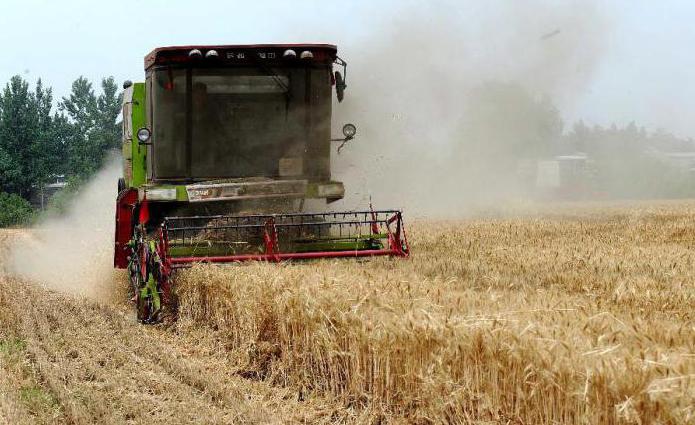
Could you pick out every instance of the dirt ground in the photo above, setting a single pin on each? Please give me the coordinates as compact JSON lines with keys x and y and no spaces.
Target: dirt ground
{"x":580,"y":292}
{"x":70,"y":360}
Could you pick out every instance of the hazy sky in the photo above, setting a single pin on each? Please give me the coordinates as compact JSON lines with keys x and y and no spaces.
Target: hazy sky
{"x":645,"y":72}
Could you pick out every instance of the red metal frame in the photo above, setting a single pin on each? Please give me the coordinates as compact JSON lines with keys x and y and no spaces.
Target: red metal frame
{"x":397,"y":246}
{"x":172,"y":55}
{"x":274,"y":257}
{"x":125,"y":206}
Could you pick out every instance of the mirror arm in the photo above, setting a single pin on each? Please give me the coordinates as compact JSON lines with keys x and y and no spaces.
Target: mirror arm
{"x":340,"y":80}
{"x":344,"y":141}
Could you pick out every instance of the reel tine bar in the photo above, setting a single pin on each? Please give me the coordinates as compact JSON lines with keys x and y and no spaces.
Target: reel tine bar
{"x":277,"y":237}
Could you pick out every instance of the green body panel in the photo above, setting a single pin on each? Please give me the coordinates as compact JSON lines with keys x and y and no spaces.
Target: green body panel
{"x":150,"y":290}
{"x":139,"y":152}
{"x":181,"y":194}
{"x":312,"y":190}
{"x":136,"y":161}
{"x":339,"y":245}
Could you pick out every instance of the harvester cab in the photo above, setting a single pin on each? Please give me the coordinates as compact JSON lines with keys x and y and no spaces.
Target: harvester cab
{"x":224,"y":148}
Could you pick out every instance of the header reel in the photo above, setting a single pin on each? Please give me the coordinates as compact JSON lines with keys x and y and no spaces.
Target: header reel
{"x":185,"y":241}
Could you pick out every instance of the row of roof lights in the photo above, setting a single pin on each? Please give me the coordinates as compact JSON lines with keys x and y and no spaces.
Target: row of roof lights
{"x":289,"y":53}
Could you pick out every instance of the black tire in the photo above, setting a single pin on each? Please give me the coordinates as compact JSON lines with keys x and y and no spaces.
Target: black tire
{"x":143,"y":306}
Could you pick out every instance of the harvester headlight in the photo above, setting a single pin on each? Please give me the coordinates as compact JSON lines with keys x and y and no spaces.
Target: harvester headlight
{"x":144,"y":135}
{"x":212,"y":54}
{"x":306,"y":55}
{"x":195,"y":54}
{"x":289,"y":53}
{"x":349,"y":131}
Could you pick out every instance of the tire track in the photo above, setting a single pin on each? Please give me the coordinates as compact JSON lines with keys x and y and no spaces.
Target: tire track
{"x":103,"y":367}
{"x":170,"y":392}
{"x":98,"y":365}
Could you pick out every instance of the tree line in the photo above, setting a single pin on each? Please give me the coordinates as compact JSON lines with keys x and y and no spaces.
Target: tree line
{"x":41,"y":139}
{"x":502,"y":125}
{"x":504,"y":120}
{"x":631,"y":162}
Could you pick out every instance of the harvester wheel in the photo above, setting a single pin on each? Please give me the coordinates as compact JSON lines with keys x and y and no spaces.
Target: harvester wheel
{"x":144,"y":275}
{"x":144,"y":309}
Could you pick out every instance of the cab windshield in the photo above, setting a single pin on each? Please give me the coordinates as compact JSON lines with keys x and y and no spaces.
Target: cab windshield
{"x":226,"y":123}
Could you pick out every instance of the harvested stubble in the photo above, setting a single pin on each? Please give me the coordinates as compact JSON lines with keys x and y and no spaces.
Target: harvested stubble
{"x":582,"y":317}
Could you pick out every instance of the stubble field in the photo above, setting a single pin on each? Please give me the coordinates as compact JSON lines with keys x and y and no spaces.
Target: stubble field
{"x":582,"y":314}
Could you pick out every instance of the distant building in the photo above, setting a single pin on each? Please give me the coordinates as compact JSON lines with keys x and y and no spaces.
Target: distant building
{"x":563,"y":176}
{"x":47,"y":191}
{"x":683,"y":161}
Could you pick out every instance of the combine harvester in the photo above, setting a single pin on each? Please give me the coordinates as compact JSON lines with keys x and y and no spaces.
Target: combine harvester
{"x":224,"y":147}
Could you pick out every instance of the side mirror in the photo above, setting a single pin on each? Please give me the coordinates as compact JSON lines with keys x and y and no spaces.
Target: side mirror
{"x":349,"y":131}
{"x":144,"y":135}
{"x":340,"y":86}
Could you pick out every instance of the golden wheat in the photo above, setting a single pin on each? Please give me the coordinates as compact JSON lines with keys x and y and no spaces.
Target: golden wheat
{"x":583,"y":316}
{"x":577,"y":315}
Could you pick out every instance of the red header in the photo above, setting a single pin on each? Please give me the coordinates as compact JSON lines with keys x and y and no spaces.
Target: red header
{"x":230,"y":55}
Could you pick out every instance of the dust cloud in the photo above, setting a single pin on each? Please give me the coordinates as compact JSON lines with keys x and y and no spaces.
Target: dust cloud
{"x":73,"y":253}
{"x":448,"y":96}
{"x":451,"y":97}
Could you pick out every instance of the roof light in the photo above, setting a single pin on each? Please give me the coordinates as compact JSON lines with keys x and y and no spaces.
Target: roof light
{"x":195,"y":54}
{"x":306,"y":55}
{"x":212,"y":54}
{"x":289,"y":53}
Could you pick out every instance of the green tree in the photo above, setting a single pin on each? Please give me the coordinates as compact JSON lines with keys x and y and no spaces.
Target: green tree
{"x":81,"y":105}
{"x":48,"y":151}
{"x":28,"y":150}
{"x":108,"y":109}
{"x":14,"y":210}
{"x":95,"y":129}
{"x":36,"y":143}
{"x":17,"y":129}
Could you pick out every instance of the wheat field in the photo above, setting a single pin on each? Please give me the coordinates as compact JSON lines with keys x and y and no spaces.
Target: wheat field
{"x":575,"y":314}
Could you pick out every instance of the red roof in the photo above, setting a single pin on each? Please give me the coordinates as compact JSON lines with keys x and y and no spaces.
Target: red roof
{"x":241,"y":53}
